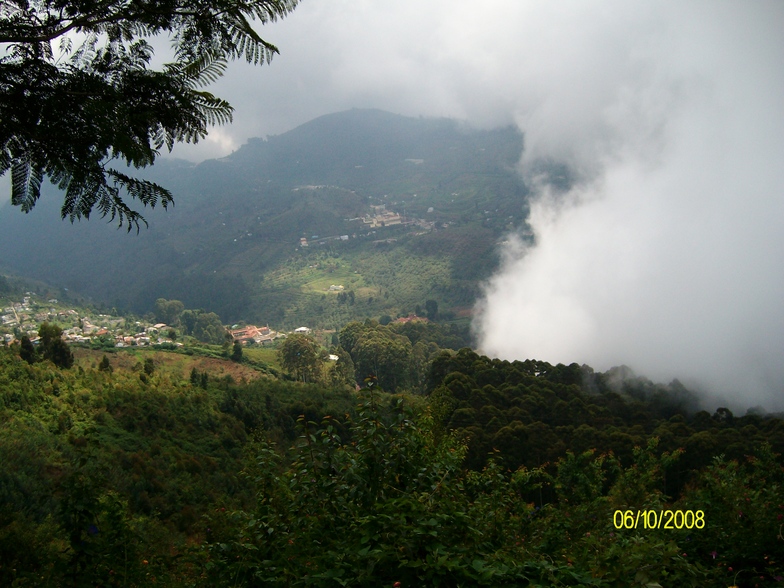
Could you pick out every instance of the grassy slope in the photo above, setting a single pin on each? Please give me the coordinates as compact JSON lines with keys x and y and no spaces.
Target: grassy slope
{"x":177,"y":365}
{"x":387,"y":278}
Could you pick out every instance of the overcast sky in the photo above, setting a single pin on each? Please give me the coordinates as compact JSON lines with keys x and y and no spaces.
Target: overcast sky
{"x":492,"y":63}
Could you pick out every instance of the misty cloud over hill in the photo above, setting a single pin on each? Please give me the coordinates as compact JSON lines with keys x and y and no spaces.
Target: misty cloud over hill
{"x":665,"y":252}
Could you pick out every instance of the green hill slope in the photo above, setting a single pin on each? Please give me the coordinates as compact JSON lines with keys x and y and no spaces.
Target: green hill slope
{"x":508,"y":474}
{"x":232,"y":242}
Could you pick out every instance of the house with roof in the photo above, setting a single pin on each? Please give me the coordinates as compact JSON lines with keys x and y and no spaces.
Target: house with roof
{"x":410,"y":318}
{"x":252,"y":334}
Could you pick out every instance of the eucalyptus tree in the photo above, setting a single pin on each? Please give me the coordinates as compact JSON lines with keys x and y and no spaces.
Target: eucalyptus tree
{"x":301,"y":356}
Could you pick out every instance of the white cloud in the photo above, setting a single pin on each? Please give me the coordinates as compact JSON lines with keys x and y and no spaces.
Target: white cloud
{"x":666,"y":255}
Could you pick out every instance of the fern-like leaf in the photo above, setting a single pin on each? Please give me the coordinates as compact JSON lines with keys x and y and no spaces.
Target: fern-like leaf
{"x":148,"y":193}
{"x":25,"y":184}
{"x":205,"y":70}
{"x":215,"y":110}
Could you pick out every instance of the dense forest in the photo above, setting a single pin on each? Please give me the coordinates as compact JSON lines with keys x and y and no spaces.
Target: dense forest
{"x":473,"y":472}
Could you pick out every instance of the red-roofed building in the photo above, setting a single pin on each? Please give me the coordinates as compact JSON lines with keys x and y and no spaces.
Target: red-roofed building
{"x":411,"y":318}
{"x":250,"y":333}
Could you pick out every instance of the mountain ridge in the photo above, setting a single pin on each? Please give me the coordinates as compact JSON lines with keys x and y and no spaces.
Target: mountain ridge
{"x":238,"y":219}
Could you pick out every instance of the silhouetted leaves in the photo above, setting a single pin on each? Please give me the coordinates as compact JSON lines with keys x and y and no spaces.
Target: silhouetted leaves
{"x":67,"y":117}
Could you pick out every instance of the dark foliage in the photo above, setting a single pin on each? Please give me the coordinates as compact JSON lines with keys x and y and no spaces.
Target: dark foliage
{"x":532,"y":412}
{"x":67,"y":117}
{"x":52,"y":346}
{"x":236,"y":353}
{"x":27,"y":350}
{"x":177,"y":481}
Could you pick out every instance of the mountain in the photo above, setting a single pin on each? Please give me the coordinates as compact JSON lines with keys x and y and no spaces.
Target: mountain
{"x":232,"y":243}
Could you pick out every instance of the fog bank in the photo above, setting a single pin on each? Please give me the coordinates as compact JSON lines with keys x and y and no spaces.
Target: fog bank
{"x":666,"y":252}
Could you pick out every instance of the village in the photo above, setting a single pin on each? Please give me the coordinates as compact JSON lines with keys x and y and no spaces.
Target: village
{"x":82,"y":327}
{"x":379,"y":218}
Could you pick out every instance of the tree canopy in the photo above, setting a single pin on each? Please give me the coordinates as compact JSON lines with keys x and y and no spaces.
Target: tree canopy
{"x":300,"y":356}
{"x":111,"y":479}
{"x":77,"y":92}
{"x":379,"y":352}
{"x":53,"y":347}
{"x":168,"y":311}
{"x":209,"y":328}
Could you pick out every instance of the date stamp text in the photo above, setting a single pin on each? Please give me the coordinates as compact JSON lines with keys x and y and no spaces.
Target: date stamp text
{"x":659,"y":519}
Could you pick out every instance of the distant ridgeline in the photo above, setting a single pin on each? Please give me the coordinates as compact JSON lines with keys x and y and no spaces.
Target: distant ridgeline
{"x":396,"y":210}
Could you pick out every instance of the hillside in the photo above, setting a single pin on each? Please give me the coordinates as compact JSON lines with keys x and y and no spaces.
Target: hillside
{"x":507,"y":474}
{"x":232,"y":242}
{"x":178,"y":466}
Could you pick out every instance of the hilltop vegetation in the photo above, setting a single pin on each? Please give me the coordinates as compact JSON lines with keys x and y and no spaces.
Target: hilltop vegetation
{"x":165,"y":472}
{"x":127,"y":460}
